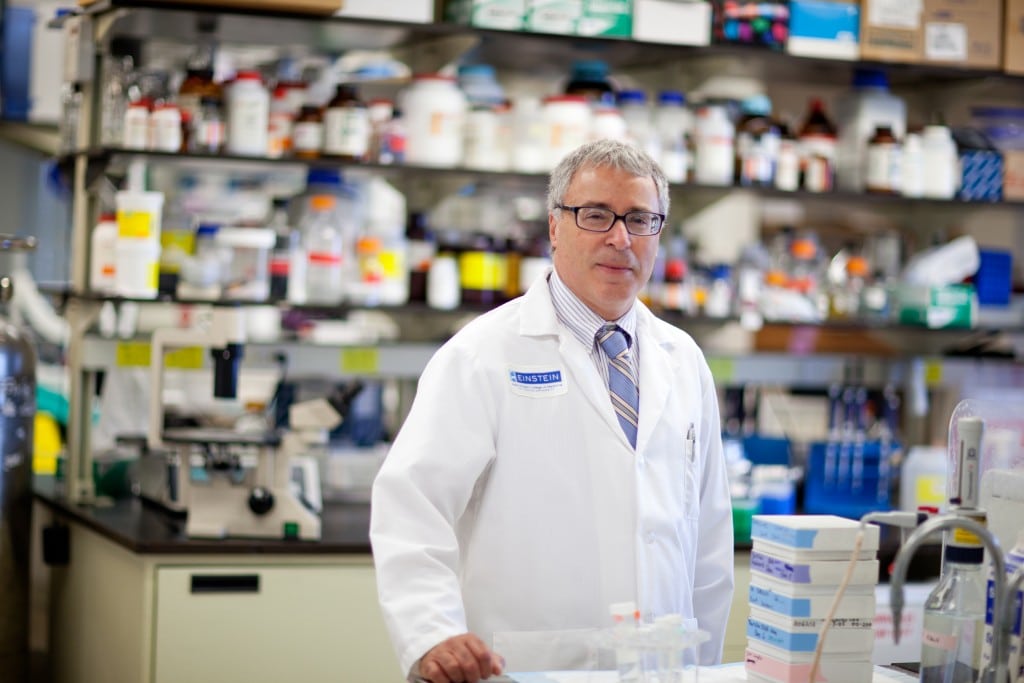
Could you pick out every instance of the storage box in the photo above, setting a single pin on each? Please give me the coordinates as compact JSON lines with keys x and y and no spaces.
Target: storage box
{"x":607,"y":18}
{"x":750,"y":22}
{"x":963,"y":32}
{"x":553,"y":16}
{"x":891,"y":31}
{"x":414,"y":11}
{"x":824,"y":28}
{"x":677,"y":22}
{"x":1013,"y":175}
{"x":952,"y":306}
{"x":994,"y":279}
{"x":297,"y":6}
{"x":1013,"y":37}
{"x":507,"y":15}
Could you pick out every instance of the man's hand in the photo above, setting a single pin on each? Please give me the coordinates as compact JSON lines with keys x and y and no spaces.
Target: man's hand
{"x":460,"y":659}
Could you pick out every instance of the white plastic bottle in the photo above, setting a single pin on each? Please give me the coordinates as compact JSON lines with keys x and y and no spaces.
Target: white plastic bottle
{"x":248,"y":115}
{"x":435,"y":113}
{"x":940,"y":162}
{"x":714,"y":156}
{"x":858,"y":113}
{"x":566,"y":125}
{"x":324,"y":248}
{"x":912,"y":173}
{"x":674,"y":124}
{"x":103,"y":255}
{"x":637,"y":115}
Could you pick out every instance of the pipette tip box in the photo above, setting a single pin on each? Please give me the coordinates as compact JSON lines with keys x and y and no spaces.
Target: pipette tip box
{"x":794,"y":600}
{"x":826,"y":572}
{"x":762,"y":664}
{"x":813,"y":532}
{"x":845,"y":636}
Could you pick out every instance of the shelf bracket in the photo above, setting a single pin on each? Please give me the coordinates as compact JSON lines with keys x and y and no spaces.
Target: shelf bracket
{"x":81,"y":316}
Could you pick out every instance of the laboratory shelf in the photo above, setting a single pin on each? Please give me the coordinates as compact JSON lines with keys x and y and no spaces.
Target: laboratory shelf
{"x":108,"y":157}
{"x":367,"y":359}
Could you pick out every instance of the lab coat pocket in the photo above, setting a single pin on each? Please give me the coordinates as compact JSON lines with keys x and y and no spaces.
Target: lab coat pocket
{"x":574,"y":649}
{"x":691,"y":478}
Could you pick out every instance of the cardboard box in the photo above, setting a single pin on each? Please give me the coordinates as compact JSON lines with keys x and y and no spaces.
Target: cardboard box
{"x":606,"y":18}
{"x":413,"y":11}
{"x":1013,"y":175}
{"x":824,"y":28}
{"x":1013,"y":37}
{"x":326,"y":7}
{"x":507,"y":15}
{"x":963,"y":32}
{"x":891,"y":31}
{"x":676,"y":22}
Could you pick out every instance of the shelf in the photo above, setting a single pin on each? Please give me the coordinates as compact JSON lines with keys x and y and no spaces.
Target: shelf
{"x":37,"y":137}
{"x":523,"y":50}
{"x":104,"y":156}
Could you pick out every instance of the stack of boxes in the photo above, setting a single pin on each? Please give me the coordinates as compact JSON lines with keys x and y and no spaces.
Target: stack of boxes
{"x":797,"y":564}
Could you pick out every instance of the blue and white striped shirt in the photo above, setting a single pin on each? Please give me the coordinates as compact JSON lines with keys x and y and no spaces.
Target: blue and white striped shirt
{"x":585,"y":324}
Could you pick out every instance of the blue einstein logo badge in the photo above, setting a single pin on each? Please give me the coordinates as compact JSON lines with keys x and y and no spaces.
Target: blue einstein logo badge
{"x":537,"y":381}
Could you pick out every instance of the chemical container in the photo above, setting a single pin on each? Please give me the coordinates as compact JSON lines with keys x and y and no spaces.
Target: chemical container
{"x":435,"y":113}
{"x":858,"y":114}
{"x":247,"y":276}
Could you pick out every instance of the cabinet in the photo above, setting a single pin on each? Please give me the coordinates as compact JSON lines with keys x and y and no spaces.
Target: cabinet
{"x":429,"y":46}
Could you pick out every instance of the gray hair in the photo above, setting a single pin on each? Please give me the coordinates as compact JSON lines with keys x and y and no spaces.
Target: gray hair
{"x":611,"y":154}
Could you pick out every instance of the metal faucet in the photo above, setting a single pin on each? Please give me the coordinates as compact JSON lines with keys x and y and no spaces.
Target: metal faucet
{"x":998,"y":669}
{"x":1009,"y":615}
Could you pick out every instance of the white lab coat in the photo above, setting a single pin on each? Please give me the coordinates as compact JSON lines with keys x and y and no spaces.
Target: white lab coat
{"x":517,"y":510}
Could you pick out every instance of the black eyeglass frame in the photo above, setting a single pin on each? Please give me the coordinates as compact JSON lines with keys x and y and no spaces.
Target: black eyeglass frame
{"x":615,"y":217}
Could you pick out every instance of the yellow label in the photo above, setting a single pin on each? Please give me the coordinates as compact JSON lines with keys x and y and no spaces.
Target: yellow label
{"x":933,"y":372}
{"x":360,"y":360}
{"x":722,"y":369}
{"x":132,"y":354}
{"x":134,"y":224}
{"x":185,"y":358}
{"x":393,"y":264}
{"x":931,"y":489}
{"x":138,"y":354}
{"x":964,"y":537}
{"x":482,"y":270}
{"x":153,"y":279}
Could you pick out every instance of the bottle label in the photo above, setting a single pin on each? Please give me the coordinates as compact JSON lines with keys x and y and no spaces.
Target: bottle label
{"x":324,"y":258}
{"x":483,"y":271}
{"x":938,"y":641}
{"x":347,"y":131}
{"x":884,"y":167}
{"x":308,"y":136}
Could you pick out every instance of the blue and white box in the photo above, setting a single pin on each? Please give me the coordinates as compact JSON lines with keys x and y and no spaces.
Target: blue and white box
{"x":824,"y":28}
{"x":813,"y":532}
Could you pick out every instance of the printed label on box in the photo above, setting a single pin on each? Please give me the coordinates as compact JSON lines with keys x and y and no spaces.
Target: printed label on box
{"x":895,"y":13}
{"x":945,"y":42}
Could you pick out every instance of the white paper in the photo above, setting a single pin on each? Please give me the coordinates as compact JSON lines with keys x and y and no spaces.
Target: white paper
{"x":895,"y":13}
{"x":945,"y":42}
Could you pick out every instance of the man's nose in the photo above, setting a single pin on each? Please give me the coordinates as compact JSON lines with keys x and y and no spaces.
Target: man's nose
{"x":618,"y":236}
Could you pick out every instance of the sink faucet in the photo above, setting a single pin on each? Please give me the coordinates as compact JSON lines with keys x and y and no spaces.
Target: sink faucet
{"x":997,"y":670}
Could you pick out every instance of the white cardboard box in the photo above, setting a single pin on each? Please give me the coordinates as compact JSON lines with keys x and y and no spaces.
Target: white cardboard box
{"x":677,"y":22}
{"x":416,"y":11}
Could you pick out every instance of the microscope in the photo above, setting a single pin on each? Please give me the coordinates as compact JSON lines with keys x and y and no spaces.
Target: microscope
{"x":243,"y":488}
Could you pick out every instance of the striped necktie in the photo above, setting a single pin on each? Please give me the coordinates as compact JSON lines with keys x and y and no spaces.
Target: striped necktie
{"x":622,"y":384}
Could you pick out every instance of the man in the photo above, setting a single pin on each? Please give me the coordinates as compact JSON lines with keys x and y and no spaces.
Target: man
{"x":525,"y":494}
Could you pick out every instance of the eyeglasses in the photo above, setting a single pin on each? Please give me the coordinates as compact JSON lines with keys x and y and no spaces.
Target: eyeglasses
{"x":598,"y":219}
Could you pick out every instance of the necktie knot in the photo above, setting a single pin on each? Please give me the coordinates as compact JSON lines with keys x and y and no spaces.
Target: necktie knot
{"x":613,"y":341}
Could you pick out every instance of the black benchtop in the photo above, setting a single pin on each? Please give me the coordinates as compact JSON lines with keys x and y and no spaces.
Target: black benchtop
{"x":147,"y":529}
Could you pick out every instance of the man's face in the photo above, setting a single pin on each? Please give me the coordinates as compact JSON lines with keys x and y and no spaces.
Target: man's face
{"x":604,"y":269}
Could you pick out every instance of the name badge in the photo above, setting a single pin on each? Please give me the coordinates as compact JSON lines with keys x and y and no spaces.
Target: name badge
{"x":538,"y":382}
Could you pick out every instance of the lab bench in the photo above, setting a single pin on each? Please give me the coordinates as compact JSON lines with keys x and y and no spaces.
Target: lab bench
{"x":139,"y":602}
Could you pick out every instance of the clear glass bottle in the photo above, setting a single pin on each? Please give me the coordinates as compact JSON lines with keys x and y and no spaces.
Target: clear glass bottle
{"x":324,"y":248}
{"x":116,"y":82}
{"x":954,"y":619}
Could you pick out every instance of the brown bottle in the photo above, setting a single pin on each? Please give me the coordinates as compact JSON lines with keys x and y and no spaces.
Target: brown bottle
{"x":198,"y":84}
{"x":308,"y":132}
{"x":884,"y":162}
{"x":346,"y":125}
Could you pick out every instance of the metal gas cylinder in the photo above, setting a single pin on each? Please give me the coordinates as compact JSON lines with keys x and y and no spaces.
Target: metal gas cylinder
{"x":17,"y":417}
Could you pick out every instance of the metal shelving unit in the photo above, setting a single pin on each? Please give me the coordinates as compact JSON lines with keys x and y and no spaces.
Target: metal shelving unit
{"x":429,"y":46}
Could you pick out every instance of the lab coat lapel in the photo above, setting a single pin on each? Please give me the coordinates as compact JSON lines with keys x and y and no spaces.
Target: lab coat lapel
{"x":539,"y":319}
{"x":657,"y":372}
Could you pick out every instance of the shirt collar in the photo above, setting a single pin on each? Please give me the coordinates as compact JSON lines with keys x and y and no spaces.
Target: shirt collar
{"x":582,"y":322}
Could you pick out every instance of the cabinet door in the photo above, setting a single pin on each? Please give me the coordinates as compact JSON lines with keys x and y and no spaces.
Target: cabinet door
{"x":257,"y":624}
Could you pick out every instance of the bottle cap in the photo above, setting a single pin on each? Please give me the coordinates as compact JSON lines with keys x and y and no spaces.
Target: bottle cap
{"x":671,"y":97}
